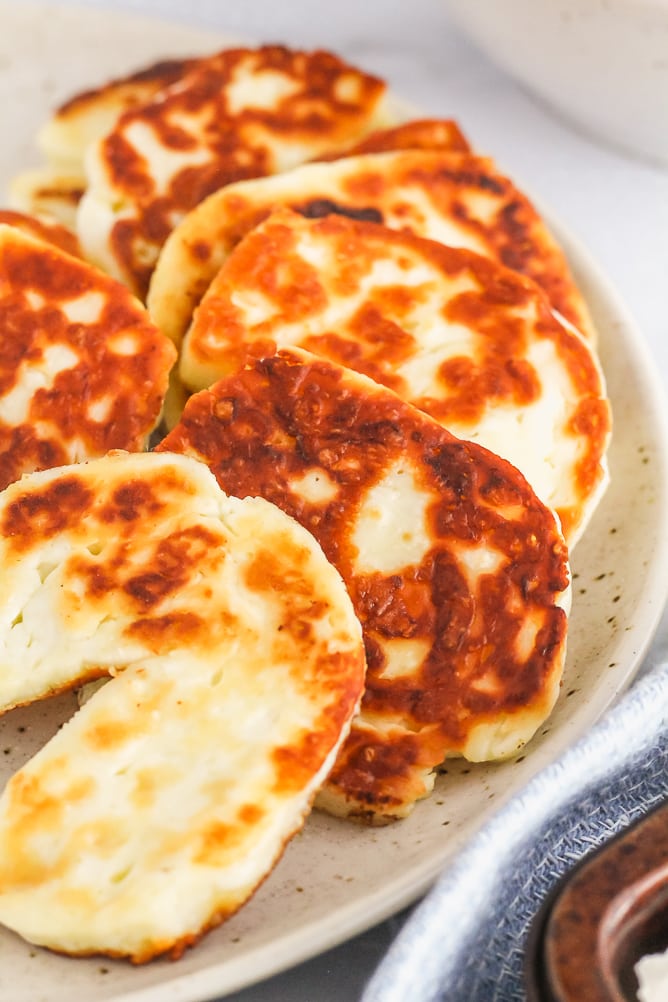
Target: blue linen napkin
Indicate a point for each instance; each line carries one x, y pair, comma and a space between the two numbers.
466, 941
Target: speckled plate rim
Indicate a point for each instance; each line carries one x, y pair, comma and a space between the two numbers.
639, 406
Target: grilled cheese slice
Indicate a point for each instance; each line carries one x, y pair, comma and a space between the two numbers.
82, 369
236, 664
457, 572
238, 114
470, 342
455, 198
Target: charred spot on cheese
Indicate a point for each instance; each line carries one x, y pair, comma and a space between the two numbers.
39, 515
468, 341
319, 207
175, 629
236, 664
82, 368
241, 113
457, 199
457, 571
132, 501
173, 561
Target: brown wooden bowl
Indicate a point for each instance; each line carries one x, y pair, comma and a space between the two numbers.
606, 914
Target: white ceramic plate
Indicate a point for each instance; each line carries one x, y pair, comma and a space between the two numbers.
336, 878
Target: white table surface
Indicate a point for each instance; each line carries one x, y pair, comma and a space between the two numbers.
618, 208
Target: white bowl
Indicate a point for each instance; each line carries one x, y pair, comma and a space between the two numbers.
602, 63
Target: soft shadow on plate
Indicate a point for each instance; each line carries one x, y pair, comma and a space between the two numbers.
337, 879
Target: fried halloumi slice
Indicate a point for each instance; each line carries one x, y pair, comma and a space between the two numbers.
82, 368
237, 663
50, 231
455, 198
470, 342
458, 573
239, 114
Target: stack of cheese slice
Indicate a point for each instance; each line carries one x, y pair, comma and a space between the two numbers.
392, 377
